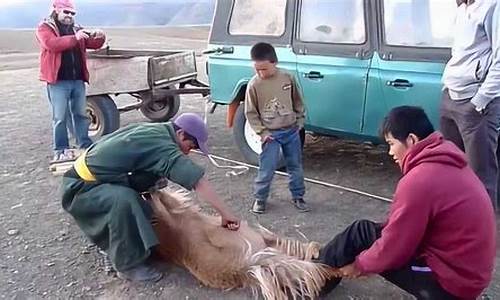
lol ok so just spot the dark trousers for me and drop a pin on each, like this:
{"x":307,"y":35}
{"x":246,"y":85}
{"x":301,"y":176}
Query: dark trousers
{"x":415,"y":277}
{"x":477,"y":135}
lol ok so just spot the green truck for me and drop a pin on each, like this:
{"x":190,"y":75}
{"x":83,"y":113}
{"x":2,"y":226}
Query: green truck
{"x":354,"y":60}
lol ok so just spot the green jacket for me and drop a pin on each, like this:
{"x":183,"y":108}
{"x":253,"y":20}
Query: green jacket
{"x":138,"y":155}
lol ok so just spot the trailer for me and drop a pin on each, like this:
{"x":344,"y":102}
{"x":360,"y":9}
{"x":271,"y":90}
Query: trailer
{"x":155,"y":78}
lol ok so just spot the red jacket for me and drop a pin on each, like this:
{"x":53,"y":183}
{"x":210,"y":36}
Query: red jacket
{"x":52,"y":45}
{"x":441,"y":213}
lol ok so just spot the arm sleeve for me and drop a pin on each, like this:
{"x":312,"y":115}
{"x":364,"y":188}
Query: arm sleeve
{"x":49,"y":41}
{"x":401,"y":235}
{"x":298,"y":103}
{"x":491,"y":85}
{"x":185,"y":172}
{"x":164,"y":158}
{"x":252,"y":111}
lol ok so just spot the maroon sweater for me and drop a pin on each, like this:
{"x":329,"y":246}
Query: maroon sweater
{"x":442,"y":214}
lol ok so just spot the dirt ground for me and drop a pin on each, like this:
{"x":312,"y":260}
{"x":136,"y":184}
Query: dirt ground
{"x":43,"y":254}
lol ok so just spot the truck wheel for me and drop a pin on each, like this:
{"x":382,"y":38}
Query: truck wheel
{"x":103,"y":115}
{"x":162,"y":108}
{"x":248,"y":141}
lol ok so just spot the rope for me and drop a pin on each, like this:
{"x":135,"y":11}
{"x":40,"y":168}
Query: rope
{"x":235,"y":170}
{"x":242,"y":168}
{"x":310,"y":180}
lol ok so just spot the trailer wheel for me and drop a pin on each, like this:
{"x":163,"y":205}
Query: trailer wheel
{"x":248,"y":141}
{"x":162,"y":108}
{"x":103,"y":115}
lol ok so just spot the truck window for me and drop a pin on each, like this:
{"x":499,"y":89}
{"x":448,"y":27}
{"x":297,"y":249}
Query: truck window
{"x":332,"y":21}
{"x":419,"y":23}
{"x":258,"y":17}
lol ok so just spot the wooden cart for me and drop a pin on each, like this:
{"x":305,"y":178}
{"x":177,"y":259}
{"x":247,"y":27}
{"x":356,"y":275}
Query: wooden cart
{"x":154,"y":78}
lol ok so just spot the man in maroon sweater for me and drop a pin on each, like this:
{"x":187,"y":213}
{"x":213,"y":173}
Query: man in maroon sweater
{"x":439,"y":239}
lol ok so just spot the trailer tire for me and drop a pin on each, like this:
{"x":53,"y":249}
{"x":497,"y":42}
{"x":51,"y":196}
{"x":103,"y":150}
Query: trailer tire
{"x":103,"y":115}
{"x":161,"y":109}
{"x":248,"y":141}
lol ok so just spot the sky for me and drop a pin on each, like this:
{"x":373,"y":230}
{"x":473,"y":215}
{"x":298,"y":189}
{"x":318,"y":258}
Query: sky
{"x":14,"y":2}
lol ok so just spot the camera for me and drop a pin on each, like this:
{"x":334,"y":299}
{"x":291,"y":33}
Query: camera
{"x":91,"y":33}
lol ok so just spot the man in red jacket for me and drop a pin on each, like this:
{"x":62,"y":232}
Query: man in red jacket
{"x":439,"y":239}
{"x":63,"y":66}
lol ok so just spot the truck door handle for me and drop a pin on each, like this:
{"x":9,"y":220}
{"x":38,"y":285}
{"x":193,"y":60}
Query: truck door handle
{"x":313,"y":75}
{"x":399,"y":83}
{"x":220,"y":50}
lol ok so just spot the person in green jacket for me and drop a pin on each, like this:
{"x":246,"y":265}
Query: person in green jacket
{"x":105,"y":188}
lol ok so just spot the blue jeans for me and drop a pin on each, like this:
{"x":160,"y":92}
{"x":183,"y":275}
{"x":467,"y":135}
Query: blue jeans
{"x":68,"y":100}
{"x":288,"y":140}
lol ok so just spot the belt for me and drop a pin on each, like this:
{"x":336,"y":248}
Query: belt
{"x":82,"y":170}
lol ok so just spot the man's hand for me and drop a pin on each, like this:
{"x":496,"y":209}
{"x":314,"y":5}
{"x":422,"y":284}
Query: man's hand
{"x":230,"y":222}
{"x":350,"y":271}
{"x":207,"y":193}
{"x":81,"y":35}
{"x":99,"y":34}
{"x":266,"y":138}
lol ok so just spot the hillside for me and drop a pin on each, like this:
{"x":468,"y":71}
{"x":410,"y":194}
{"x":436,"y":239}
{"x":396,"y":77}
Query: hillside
{"x":111,"y":13}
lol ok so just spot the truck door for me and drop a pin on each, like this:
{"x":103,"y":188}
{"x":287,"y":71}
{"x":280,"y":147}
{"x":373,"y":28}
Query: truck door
{"x":334,"y":50}
{"x":414,"y":38}
{"x":237,"y":26}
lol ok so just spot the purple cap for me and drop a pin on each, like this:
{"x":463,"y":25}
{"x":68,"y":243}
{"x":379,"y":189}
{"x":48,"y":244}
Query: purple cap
{"x":193,"y":125}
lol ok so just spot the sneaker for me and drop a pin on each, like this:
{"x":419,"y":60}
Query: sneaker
{"x":77,"y":152}
{"x":301,"y":205}
{"x":108,"y":265}
{"x":142,"y":272}
{"x":69,"y":154}
{"x":55,"y":158}
{"x":259,"y":207}
{"x":63,"y":156}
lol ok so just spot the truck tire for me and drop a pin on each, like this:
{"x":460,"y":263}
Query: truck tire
{"x":103,"y":115}
{"x":162,"y":108}
{"x":248,"y":141}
